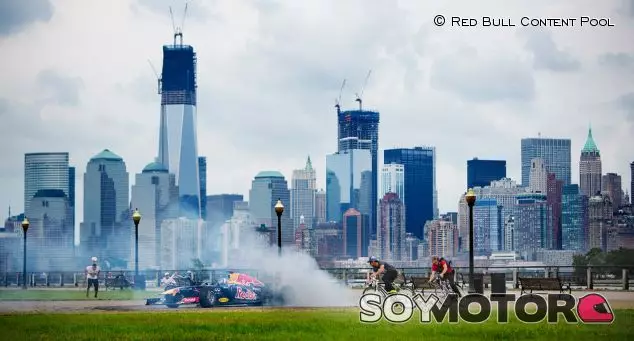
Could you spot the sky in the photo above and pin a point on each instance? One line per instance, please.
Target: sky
(75, 77)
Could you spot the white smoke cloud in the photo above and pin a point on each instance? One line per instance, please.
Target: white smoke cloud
(298, 272)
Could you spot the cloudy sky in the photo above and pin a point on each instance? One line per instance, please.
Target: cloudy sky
(75, 77)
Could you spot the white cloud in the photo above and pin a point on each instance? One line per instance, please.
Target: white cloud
(269, 72)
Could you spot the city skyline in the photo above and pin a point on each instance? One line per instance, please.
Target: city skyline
(73, 96)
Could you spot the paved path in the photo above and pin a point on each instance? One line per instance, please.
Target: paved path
(617, 299)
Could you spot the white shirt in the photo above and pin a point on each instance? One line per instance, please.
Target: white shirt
(92, 273)
(168, 281)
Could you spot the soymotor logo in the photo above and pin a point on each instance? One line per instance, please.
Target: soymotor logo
(399, 308)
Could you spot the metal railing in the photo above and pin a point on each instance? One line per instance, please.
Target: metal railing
(597, 277)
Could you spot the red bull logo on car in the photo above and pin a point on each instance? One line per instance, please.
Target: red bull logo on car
(243, 279)
(245, 294)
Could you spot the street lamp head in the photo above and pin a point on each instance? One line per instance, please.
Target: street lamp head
(470, 197)
(136, 216)
(25, 224)
(279, 207)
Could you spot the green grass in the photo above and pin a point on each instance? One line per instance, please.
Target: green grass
(70, 295)
(341, 324)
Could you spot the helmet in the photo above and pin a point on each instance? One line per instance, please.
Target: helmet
(167, 274)
(373, 259)
(94, 259)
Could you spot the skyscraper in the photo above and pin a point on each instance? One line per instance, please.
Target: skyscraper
(178, 149)
(344, 172)
(266, 188)
(590, 168)
(106, 227)
(538, 176)
(554, 152)
(487, 236)
(303, 186)
(220, 208)
(71, 194)
(554, 189)
(480, 173)
(355, 234)
(419, 165)
(45, 171)
(320, 207)
(202, 172)
(574, 218)
(391, 234)
(393, 180)
(442, 238)
(632, 182)
(155, 194)
(611, 185)
(600, 214)
(359, 129)
(531, 221)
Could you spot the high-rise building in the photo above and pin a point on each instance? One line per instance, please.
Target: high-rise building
(202, 172)
(532, 218)
(320, 207)
(504, 192)
(155, 195)
(391, 234)
(220, 208)
(303, 187)
(393, 180)
(344, 172)
(538, 176)
(355, 234)
(45, 171)
(178, 149)
(266, 188)
(590, 168)
(632, 182)
(480, 173)
(419, 165)
(442, 238)
(509, 233)
(106, 228)
(181, 242)
(359, 129)
(554, 152)
(611, 185)
(574, 218)
(554, 188)
(487, 235)
(51, 235)
(71, 194)
(600, 214)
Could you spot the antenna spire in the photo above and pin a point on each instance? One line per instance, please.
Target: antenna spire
(178, 30)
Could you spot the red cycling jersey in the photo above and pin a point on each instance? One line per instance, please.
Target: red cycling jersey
(439, 267)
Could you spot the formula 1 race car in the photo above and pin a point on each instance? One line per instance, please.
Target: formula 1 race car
(237, 290)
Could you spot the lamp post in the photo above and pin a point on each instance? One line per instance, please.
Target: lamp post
(25, 227)
(279, 209)
(136, 217)
(470, 197)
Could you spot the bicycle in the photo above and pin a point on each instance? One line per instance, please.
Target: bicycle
(374, 287)
(444, 286)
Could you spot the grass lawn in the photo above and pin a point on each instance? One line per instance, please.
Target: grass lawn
(71, 295)
(315, 324)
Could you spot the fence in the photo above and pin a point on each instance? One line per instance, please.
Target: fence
(577, 277)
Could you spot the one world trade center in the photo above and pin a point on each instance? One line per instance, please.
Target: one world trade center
(178, 149)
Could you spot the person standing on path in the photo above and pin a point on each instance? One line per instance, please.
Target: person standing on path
(92, 275)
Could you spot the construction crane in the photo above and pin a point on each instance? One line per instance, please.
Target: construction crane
(178, 30)
(338, 99)
(362, 90)
(158, 77)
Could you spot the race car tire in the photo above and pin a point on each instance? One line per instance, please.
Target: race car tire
(207, 297)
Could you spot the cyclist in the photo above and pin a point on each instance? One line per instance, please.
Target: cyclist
(443, 270)
(389, 273)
